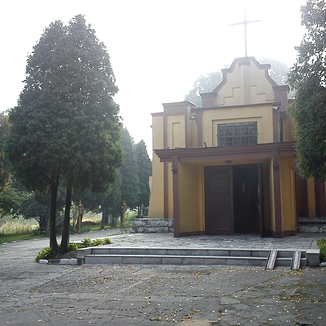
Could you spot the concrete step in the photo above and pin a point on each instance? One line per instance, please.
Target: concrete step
(189, 256)
(175, 260)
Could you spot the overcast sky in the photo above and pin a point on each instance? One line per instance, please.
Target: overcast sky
(158, 48)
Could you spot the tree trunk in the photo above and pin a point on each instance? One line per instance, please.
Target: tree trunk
(105, 216)
(53, 208)
(66, 221)
(43, 223)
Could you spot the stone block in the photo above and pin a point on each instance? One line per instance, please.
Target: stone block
(313, 259)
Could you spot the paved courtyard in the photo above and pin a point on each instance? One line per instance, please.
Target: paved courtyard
(43, 294)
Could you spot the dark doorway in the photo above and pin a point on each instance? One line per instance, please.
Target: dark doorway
(245, 199)
(232, 199)
(219, 200)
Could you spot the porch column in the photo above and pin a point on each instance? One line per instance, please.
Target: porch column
(166, 189)
(176, 210)
(199, 123)
(278, 233)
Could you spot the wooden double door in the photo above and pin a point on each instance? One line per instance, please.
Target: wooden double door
(233, 199)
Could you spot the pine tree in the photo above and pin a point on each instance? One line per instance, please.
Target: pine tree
(144, 171)
(308, 78)
(66, 125)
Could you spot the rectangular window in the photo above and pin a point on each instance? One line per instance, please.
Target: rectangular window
(237, 134)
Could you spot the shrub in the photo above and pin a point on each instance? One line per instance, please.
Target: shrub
(86, 243)
(107, 241)
(45, 253)
(72, 246)
(93, 243)
(322, 246)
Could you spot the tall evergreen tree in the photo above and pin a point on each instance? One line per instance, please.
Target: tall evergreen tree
(308, 78)
(66, 124)
(129, 177)
(144, 171)
(4, 164)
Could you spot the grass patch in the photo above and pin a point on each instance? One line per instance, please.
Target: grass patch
(322, 246)
(16, 237)
(15, 229)
(9, 225)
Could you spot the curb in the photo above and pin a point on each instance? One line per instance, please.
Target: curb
(64, 261)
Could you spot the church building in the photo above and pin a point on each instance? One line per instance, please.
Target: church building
(228, 167)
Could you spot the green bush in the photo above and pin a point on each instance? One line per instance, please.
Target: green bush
(100, 242)
(87, 242)
(93, 243)
(45, 253)
(322, 246)
(106, 241)
(72, 246)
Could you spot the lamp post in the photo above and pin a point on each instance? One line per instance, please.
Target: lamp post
(80, 215)
(123, 211)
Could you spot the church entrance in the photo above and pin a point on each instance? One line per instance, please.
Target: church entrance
(232, 199)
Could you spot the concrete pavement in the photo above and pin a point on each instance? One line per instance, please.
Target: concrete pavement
(32, 293)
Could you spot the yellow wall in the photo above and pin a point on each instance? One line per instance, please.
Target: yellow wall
(156, 207)
(193, 134)
(288, 197)
(263, 115)
(246, 84)
(190, 191)
(176, 131)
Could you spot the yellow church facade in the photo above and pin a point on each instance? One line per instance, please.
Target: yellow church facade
(228, 167)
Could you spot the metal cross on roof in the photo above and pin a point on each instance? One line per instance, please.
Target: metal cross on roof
(244, 23)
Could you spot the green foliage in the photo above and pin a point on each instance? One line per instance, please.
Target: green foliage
(322, 246)
(209, 81)
(86, 243)
(72, 246)
(17, 237)
(100, 242)
(130, 216)
(204, 84)
(278, 70)
(45, 253)
(66, 125)
(311, 59)
(129, 177)
(144, 171)
(18, 225)
(309, 114)
(308, 77)
(48, 253)
(4, 164)
(11, 200)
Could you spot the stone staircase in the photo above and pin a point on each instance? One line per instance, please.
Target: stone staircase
(269, 259)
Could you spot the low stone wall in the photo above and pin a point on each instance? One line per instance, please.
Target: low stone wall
(312, 225)
(152, 225)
